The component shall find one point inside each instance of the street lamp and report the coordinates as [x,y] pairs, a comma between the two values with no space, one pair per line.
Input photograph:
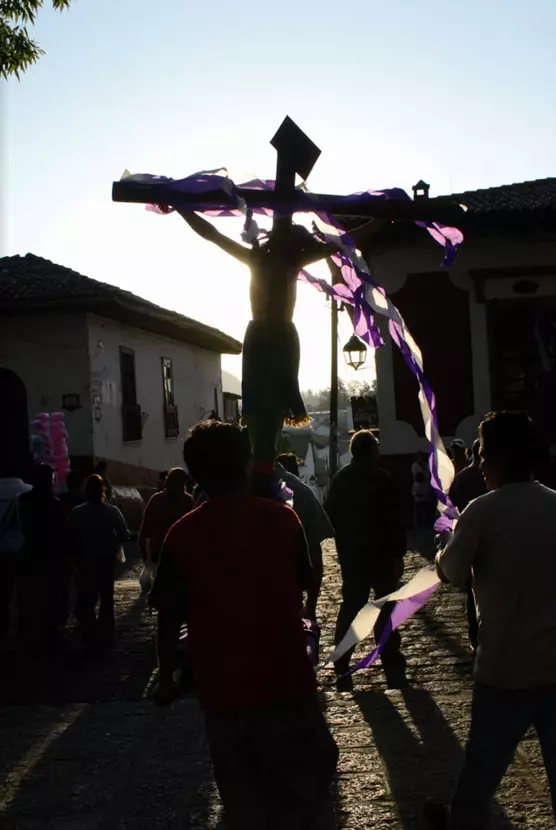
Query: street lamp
[355,352]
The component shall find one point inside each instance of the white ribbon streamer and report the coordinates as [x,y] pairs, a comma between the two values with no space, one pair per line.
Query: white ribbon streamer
[365,621]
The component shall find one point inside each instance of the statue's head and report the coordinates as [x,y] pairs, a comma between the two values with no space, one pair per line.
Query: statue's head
[299,238]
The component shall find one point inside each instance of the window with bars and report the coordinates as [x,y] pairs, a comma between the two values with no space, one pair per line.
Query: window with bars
[171,422]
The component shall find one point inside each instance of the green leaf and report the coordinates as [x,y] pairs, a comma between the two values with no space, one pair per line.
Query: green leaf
[17,51]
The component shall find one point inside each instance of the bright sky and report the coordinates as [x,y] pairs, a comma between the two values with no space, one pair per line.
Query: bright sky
[461,94]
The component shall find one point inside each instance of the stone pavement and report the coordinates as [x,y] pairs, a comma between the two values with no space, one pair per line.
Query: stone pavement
[81,748]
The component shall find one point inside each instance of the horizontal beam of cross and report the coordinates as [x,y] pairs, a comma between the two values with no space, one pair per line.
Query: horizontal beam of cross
[424,210]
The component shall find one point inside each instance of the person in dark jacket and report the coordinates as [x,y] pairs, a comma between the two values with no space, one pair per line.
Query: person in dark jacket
[365,508]
[44,562]
[98,530]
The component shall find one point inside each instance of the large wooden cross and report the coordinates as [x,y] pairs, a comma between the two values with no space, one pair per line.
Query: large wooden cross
[270,389]
[297,154]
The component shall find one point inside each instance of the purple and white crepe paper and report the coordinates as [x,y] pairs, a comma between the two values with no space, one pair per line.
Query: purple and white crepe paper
[409,599]
[403,611]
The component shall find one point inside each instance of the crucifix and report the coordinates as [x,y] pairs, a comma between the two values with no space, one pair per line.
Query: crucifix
[270,387]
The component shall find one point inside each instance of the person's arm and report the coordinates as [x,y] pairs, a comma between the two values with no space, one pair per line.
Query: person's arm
[333,501]
[304,573]
[119,523]
[207,231]
[455,562]
[145,530]
[169,597]
[317,529]
[392,516]
[313,590]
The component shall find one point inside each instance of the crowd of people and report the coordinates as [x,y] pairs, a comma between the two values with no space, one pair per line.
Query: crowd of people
[244,572]
[55,553]
[273,755]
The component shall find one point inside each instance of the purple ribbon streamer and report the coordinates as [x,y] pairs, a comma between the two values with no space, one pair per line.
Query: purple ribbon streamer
[404,610]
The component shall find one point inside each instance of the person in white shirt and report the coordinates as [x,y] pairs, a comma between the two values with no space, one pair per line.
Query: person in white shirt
[11,488]
[506,541]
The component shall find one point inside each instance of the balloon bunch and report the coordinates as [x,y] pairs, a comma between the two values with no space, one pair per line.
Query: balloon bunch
[49,445]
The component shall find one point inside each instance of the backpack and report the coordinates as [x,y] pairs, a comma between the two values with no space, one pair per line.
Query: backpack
[11,535]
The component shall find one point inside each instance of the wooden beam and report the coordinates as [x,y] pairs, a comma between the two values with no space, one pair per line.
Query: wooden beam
[425,210]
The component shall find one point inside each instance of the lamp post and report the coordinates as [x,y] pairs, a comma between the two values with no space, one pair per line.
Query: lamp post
[355,354]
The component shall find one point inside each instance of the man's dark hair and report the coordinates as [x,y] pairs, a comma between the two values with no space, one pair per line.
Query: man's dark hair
[510,441]
[364,444]
[95,490]
[217,456]
[288,460]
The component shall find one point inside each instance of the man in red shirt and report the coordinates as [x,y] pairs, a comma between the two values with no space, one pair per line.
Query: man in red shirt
[236,568]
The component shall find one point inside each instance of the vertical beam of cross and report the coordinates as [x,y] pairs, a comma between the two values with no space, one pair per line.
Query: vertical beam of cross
[296,154]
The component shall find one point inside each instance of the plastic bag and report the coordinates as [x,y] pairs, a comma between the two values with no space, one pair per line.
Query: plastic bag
[146,578]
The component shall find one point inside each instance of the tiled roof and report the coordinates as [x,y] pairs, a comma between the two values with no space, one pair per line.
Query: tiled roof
[538,195]
[32,283]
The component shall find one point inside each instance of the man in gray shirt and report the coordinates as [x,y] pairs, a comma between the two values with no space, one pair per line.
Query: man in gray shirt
[315,523]
[506,541]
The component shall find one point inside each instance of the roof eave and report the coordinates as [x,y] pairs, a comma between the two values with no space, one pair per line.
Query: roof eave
[158,321]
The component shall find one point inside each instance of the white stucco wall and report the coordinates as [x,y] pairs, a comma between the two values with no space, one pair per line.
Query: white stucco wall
[391,269]
[49,353]
[197,373]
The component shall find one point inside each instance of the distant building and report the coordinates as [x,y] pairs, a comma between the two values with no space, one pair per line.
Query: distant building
[486,327]
[231,393]
[130,376]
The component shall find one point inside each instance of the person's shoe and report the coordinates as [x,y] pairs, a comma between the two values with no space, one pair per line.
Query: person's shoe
[436,815]
[344,683]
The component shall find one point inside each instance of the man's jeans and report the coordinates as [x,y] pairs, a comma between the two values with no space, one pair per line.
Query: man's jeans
[274,765]
[499,720]
[360,575]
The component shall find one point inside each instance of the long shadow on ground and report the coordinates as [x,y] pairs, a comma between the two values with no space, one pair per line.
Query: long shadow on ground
[420,751]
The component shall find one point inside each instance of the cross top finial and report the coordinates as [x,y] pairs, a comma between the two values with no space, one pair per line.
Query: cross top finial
[299,153]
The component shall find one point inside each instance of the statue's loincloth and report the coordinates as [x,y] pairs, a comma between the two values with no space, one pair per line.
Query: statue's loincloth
[270,373]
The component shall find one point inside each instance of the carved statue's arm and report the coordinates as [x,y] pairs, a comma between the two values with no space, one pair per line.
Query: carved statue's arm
[361,236]
[209,232]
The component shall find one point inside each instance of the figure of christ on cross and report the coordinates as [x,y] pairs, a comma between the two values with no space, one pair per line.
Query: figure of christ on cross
[270,387]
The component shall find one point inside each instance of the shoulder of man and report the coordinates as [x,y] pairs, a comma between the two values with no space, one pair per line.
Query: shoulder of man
[386,475]
[481,505]
[277,512]
[156,497]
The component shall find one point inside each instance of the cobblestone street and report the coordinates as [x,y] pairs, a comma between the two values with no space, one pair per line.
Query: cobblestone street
[83,749]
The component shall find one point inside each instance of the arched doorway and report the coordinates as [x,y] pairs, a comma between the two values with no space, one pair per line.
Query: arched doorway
[15,457]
